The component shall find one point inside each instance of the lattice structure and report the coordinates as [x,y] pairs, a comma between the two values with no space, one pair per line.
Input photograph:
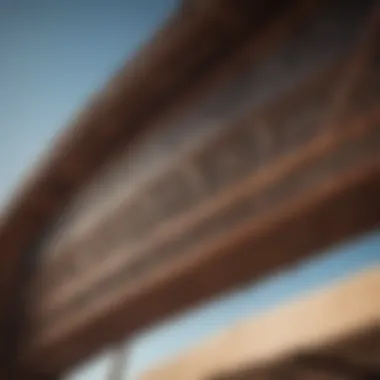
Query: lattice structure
[256,145]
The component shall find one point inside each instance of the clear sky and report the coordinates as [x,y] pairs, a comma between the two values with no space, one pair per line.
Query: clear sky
[53,55]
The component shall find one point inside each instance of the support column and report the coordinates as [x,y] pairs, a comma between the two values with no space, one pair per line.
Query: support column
[119,363]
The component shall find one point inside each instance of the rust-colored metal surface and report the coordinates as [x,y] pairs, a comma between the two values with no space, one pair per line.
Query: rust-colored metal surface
[186,48]
[182,206]
[292,166]
[284,178]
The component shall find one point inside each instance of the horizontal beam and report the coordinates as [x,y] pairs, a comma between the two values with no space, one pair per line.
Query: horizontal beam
[315,195]
[184,50]
[250,171]
[336,210]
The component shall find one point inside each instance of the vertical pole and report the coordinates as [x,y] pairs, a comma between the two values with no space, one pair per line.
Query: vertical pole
[118,365]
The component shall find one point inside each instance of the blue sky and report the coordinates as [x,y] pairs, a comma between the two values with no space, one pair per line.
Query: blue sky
[54,55]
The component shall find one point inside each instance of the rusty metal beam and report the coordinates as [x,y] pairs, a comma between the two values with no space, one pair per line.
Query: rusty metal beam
[342,169]
[185,49]
[337,210]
